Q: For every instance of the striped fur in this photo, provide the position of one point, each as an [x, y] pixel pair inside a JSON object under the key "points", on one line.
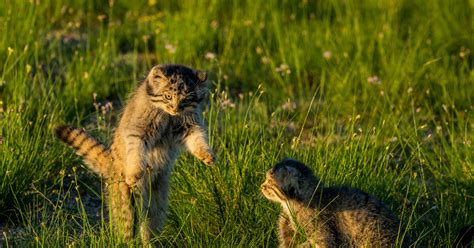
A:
{"points": [[96, 156], [162, 116], [314, 215]]}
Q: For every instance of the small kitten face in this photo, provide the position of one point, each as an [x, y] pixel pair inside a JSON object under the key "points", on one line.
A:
{"points": [[281, 183], [175, 88], [271, 188], [287, 180]]}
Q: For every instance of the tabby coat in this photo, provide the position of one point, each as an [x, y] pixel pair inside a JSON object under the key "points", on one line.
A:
{"points": [[314, 215], [162, 115]]}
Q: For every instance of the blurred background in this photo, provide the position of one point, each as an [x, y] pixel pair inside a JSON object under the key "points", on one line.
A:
{"points": [[373, 94]]}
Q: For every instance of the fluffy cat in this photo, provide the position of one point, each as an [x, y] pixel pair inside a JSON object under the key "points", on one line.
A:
{"points": [[162, 115], [328, 216]]}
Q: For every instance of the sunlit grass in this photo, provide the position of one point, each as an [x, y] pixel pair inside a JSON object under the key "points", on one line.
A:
{"points": [[373, 94]]}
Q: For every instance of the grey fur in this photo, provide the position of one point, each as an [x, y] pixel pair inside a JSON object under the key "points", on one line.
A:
{"points": [[315, 215]]}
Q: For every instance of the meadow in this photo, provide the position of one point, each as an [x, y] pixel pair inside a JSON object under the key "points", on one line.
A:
{"points": [[373, 94]]}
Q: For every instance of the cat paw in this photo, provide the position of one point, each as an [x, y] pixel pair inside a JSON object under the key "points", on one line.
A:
{"points": [[210, 159], [206, 157]]}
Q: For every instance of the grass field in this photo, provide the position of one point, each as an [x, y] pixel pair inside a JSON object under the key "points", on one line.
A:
{"points": [[373, 94]]}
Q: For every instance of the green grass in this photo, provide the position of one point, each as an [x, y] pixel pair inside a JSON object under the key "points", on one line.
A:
{"points": [[378, 95]]}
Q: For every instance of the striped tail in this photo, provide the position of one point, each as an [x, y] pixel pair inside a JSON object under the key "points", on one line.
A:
{"points": [[96, 156]]}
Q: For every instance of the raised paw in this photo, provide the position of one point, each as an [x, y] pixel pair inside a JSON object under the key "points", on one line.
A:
{"points": [[210, 159], [206, 157]]}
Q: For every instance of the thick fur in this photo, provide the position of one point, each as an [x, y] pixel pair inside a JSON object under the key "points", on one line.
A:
{"points": [[95, 154], [162, 115], [314, 215]]}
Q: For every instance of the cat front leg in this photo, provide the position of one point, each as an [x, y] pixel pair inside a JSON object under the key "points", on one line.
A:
{"points": [[324, 236], [197, 143], [134, 148], [285, 232]]}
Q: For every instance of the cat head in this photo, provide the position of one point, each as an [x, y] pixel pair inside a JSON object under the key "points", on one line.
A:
{"points": [[176, 88], [289, 179]]}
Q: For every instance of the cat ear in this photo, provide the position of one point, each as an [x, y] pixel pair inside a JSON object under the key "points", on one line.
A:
{"points": [[202, 76], [290, 170], [156, 73]]}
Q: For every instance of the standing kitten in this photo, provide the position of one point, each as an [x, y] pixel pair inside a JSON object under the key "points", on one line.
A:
{"points": [[162, 115], [328, 216]]}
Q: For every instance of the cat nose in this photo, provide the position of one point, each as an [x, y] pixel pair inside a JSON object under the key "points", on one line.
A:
{"points": [[175, 107], [172, 110]]}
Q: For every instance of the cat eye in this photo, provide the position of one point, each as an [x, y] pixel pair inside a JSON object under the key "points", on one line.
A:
{"points": [[167, 96]]}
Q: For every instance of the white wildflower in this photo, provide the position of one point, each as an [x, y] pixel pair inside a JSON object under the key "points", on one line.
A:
{"points": [[265, 60], [374, 80], [210, 56], [171, 48], [283, 69], [327, 54]]}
